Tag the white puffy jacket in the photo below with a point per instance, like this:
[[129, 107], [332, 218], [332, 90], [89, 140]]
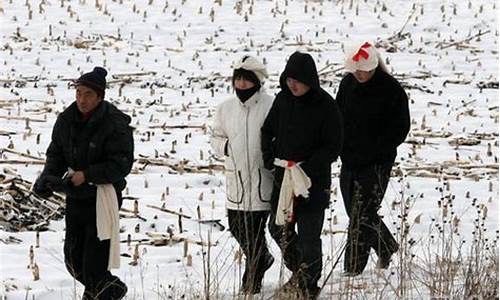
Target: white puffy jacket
[[248, 183]]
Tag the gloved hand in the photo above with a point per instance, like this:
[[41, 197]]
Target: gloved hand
[[269, 164], [47, 184], [40, 187], [55, 183]]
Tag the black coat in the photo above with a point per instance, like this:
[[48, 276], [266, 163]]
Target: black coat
[[376, 119], [102, 147], [305, 129]]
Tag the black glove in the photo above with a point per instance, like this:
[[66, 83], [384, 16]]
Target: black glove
[[269, 164], [54, 183], [40, 187], [47, 184]]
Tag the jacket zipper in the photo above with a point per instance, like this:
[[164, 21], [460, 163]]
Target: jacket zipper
[[247, 110]]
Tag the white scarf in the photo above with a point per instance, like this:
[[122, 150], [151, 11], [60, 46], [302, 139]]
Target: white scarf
[[108, 222], [295, 183]]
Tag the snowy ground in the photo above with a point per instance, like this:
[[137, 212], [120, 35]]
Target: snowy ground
[[180, 53]]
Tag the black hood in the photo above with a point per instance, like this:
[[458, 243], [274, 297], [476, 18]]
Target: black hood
[[301, 66]]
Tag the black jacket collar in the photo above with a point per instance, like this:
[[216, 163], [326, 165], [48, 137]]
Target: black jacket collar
[[73, 115]]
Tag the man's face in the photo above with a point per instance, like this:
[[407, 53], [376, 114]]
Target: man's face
[[363, 76], [296, 87], [86, 99]]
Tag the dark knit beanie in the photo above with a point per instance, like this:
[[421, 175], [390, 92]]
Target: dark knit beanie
[[96, 80], [246, 74]]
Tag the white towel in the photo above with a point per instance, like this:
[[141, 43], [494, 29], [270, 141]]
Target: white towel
[[108, 222], [295, 183]]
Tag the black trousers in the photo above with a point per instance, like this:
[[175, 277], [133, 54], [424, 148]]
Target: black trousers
[[248, 228], [85, 256], [301, 249], [363, 191]]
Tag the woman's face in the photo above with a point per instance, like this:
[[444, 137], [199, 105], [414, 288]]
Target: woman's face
[[243, 84], [363, 76]]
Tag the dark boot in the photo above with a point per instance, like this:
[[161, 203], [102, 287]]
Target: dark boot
[[118, 289], [384, 260], [255, 287], [311, 293], [112, 288]]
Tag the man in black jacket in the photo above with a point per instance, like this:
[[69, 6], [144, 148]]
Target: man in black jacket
[[376, 121], [92, 139], [304, 126]]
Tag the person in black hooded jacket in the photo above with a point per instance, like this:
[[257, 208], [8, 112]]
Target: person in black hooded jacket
[[304, 126], [376, 121], [93, 139]]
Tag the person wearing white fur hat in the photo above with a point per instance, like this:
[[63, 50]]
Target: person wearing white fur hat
[[235, 135], [376, 121]]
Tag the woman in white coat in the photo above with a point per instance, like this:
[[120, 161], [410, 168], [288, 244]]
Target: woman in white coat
[[235, 135]]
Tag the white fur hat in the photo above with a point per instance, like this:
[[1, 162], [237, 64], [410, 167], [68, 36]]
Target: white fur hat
[[250, 63], [362, 56]]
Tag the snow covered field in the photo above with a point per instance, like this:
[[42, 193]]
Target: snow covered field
[[169, 65]]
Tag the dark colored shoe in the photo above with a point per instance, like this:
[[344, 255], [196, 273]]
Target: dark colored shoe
[[248, 288], [118, 289], [311, 293], [384, 261]]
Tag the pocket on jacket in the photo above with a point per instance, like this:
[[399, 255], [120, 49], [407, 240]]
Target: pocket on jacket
[[265, 186], [234, 192]]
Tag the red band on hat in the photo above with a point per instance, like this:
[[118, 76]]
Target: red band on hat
[[362, 52]]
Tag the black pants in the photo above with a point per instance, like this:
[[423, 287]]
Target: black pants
[[85, 256], [363, 191], [301, 249], [248, 227]]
